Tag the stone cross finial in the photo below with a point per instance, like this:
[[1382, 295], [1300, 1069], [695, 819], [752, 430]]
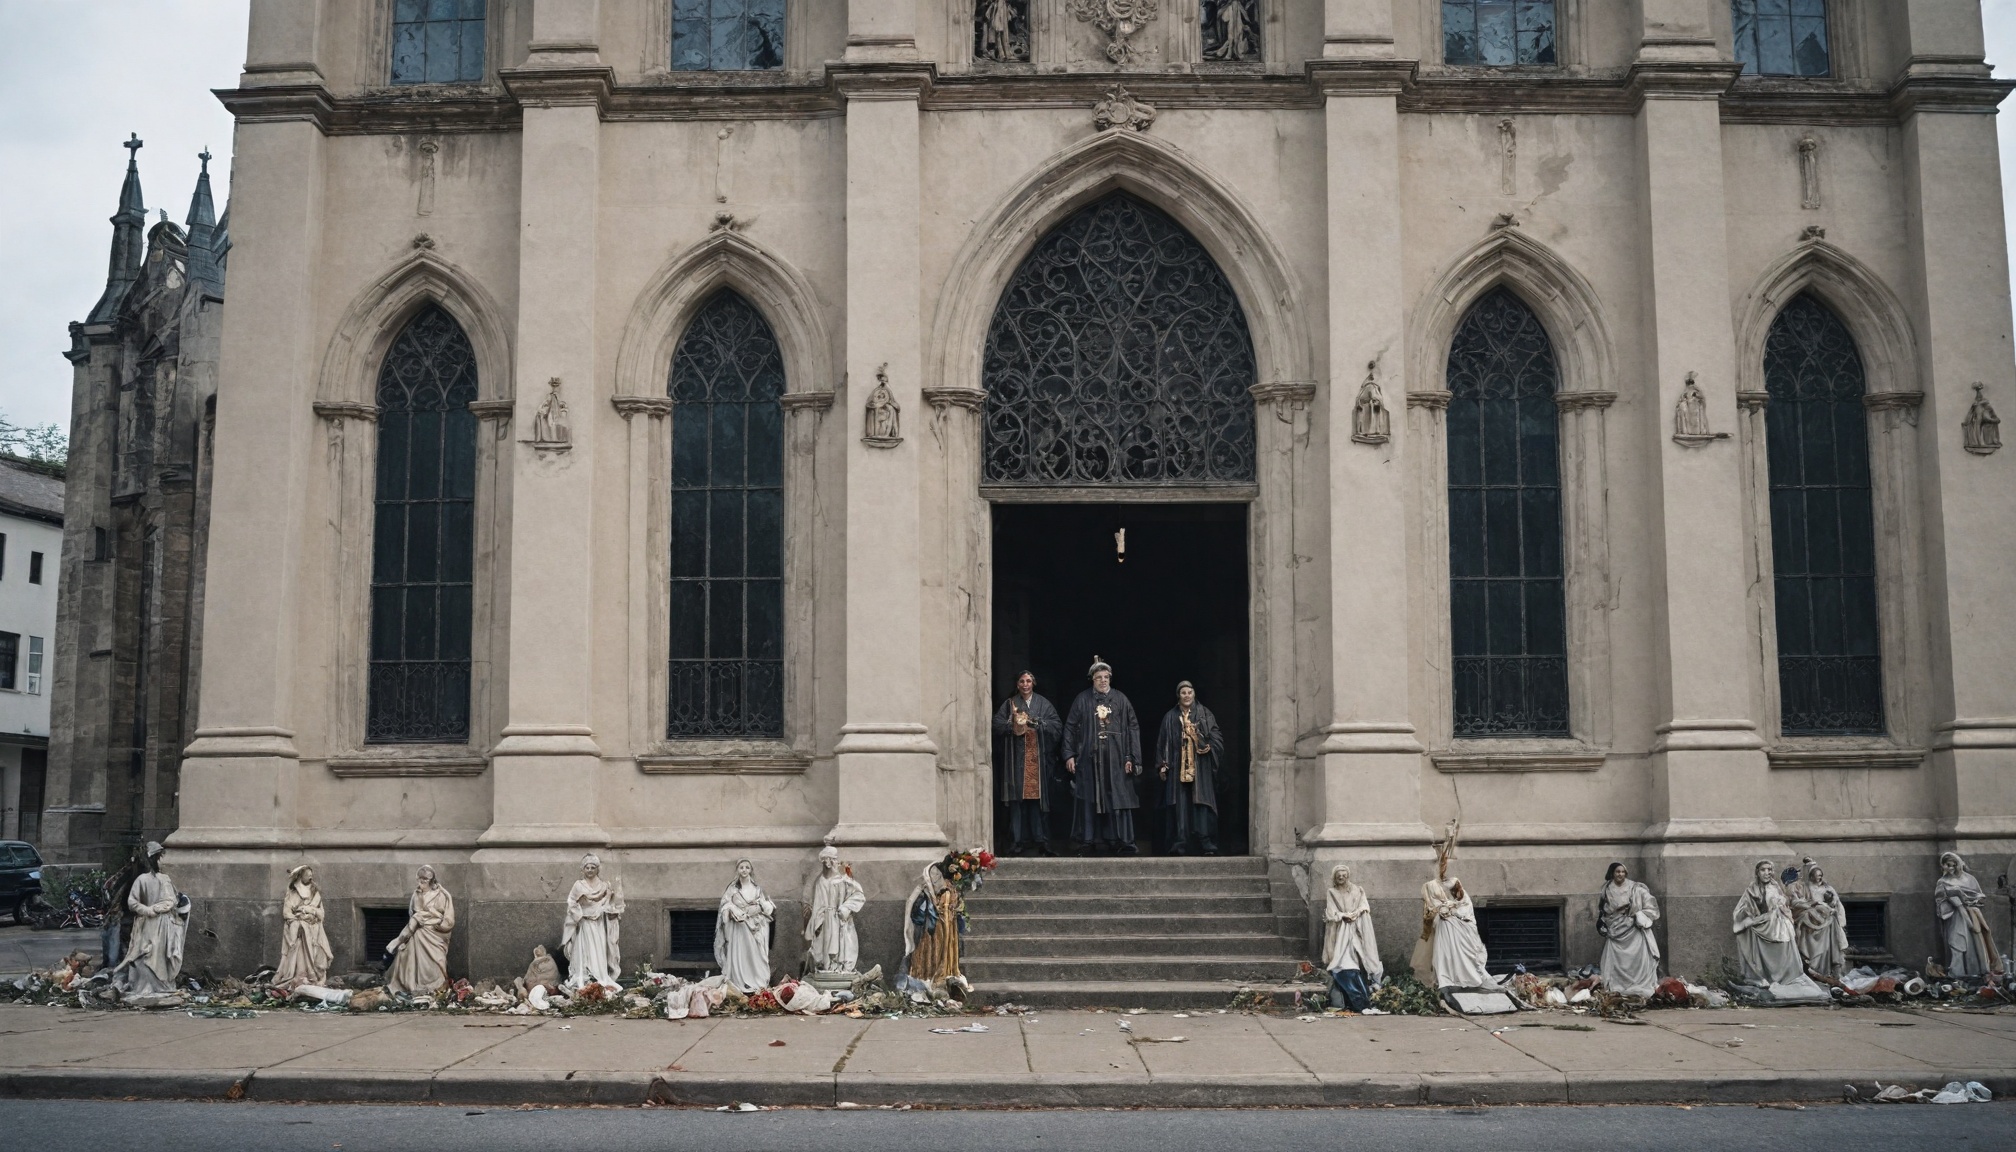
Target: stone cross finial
[[133, 147]]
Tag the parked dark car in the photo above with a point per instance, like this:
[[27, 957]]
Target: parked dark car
[[20, 878]]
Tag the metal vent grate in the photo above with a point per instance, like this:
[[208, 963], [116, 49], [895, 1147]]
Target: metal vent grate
[[1868, 926], [692, 938], [1516, 935], [381, 927]]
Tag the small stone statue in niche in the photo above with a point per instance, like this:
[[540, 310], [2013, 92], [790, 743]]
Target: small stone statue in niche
[[1001, 31], [1982, 430], [304, 944], [1690, 417], [1370, 422], [153, 959], [549, 425], [1233, 31], [1766, 951], [1625, 913], [883, 426], [742, 930], [420, 954], [1963, 920], [1819, 921], [1350, 949], [830, 935], [592, 935]]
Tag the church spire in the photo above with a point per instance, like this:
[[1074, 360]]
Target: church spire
[[203, 268], [129, 242]]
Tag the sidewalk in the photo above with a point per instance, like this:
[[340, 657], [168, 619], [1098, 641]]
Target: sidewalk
[[1060, 1059]]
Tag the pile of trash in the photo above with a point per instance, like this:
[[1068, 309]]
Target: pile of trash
[[1972, 1092], [1869, 985]]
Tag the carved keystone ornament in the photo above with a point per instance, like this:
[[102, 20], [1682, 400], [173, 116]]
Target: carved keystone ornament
[[1119, 109]]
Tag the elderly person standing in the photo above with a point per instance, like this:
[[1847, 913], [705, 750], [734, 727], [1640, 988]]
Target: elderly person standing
[[592, 934], [1350, 950], [304, 943], [1625, 913], [153, 957], [420, 954], [1963, 921]]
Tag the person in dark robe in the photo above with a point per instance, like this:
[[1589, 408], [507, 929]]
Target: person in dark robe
[[1186, 755], [1028, 737], [1102, 750]]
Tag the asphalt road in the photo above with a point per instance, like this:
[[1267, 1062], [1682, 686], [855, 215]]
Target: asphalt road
[[93, 1126]]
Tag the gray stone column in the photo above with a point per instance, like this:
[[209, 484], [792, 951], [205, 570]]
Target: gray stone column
[[1283, 414], [958, 579]]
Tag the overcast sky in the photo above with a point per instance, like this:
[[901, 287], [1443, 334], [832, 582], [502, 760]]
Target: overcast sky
[[76, 76]]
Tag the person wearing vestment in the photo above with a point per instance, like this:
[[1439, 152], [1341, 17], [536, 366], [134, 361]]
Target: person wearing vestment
[[1454, 951], [592, 934], [1766, 949], [1625, 913], [1028, 737], [1963, 922], [742, 931], [153, 957], [830, 933], [1186, 756], [1350, 949], [1819, 922], [1102, 750], [304, 943], [420, 954]]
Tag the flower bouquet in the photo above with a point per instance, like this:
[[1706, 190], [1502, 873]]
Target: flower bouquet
[[965, 870]]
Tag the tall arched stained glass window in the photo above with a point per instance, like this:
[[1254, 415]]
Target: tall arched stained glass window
[[423, 540], [1823, 529], [727, 612], [1508, 626]]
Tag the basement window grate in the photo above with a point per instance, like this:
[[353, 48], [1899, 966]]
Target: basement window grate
[[692, 938], [1868, 926], [381, 927], [1521, 935]]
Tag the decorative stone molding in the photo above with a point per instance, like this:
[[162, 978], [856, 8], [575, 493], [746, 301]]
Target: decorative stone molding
[[1294, 393], [371, 765], [653, 406], [1459, 762], [345, 410], [1580, 401], [1120, 20], [971, 399], [781, 760], [806, 401], [1899, 405], [1436, 399], [1753, 401], [1118, 109], [1890, 757]]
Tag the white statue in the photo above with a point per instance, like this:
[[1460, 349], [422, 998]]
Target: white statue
[[1625, 913], [830, 934], [1350, 950], [304, 943], [594, 926], [420, 954], [549, 424], [1963, 920], [1370, 422], [742, 931], [882, 424], [153, 957], [1449, 932], [1765, 951], [1819, 922]]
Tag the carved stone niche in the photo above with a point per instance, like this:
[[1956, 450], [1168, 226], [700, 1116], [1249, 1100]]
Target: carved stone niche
[[1001, 31], [1231, 30]]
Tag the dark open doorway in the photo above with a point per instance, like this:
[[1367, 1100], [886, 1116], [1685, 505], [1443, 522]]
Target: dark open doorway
[[1175, 609]]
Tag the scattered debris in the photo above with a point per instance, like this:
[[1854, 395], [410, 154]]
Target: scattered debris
[[953, 1031]]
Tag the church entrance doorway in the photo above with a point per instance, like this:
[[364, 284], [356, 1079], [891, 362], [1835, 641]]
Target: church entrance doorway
[[1172, 606]]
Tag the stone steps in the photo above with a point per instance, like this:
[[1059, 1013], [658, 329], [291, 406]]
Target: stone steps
[[1029, 969], [1075, 906], [1087, 927], [1161, 995], [1260, 946]]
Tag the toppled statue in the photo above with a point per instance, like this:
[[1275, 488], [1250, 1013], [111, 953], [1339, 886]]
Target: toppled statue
[[742, 931], [1819, 922], [420, 953], [593, 930], [1625, 913], [830, 934], [1350, 949], [1963, 920], [304, 943], [1771, 966], [153, 957]]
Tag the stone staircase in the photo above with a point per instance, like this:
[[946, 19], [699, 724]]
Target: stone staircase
[[1129, 932]]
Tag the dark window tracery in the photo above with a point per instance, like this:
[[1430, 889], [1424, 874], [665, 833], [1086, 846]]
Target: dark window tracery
[[1823, 526], [727, 609], [1119, 355], [423, 536], [437, 41], [1508, 626]]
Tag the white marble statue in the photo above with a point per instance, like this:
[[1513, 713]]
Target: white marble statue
[[1457, 951], [591, 936], [153, 958], [1963, 920], [742, 931], [420, 954], [1350, 950], [1819, 922], [1765, 949], [304, 943], [1625, 913], [830, 934]]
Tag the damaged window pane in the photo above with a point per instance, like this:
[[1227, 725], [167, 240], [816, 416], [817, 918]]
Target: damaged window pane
[[1781, 37], [1498, 33], [727, 35], [437, 41]]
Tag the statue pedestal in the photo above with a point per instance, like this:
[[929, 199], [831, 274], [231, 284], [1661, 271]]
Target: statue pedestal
[[833, 981]]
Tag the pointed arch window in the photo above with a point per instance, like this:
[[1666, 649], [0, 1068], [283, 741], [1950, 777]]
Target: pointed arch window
[[437, 41], [1823, 526], [423, 537], [727, 609], [1508, 627]]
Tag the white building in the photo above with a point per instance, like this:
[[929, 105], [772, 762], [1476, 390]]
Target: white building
[[31, 542]]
